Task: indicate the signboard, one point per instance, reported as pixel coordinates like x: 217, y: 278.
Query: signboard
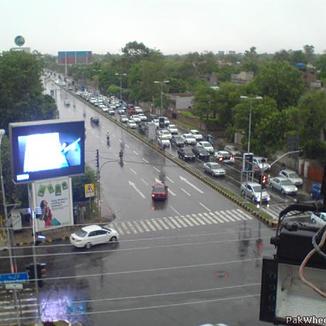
x: 14, y: 286
x: 19, y: 40
x: 247, y: 164
x: 74, y: 57
x: 13, y: 277
x: 53, y: 198
x: 89, y: 190
x: 46, y: 149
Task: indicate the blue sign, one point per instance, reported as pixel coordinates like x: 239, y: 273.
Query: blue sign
x: 13, y: 277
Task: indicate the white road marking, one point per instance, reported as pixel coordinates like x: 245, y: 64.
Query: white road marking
x: 192, y: 219
x: 227, y: 216
x: 135, y: 152
x: 211, y: 218
x: 133, y: 171
x: 202, y: 205
x: 234, y: 215
x: 127, y: 145
x: 133, y: 229
x: 185, y: 191
x: 144, y: 226
x: 241, y: 216
x: 144, y: 181
x: 171, y: 192
x: 125, y: 227
x: 186, y: 220
x: 158, y: 226
x: 216, y: 218
x: 204, y: 218
x: 180, y: 221
x: 166, y: 220
x: 137, y: 226
x: 198, y: 219
x: 245, y: 214
x: 170, y: 179
x: 221, y: 216
x: 145, y: 161
x: 190, y: 184
x: 150, y: 225
x: 174, y: 222
x: 175, y: 210
x: 132, y: 184
x: 155, y: 168
x: 163, y: 224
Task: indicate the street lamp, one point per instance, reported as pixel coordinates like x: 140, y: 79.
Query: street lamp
x: 250, y: 99
x: 161, y: 85
x: 120, y: 77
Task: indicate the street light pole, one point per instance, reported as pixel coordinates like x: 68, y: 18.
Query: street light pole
x: 161, y: 88
x: 250, y: 99
x: 120, y: 78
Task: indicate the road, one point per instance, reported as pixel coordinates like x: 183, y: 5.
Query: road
x: 189, y: 261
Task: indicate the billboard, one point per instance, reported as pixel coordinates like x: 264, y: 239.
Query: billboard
x: 46, y: 149
x: 74, y: 57
x: 53, y: 198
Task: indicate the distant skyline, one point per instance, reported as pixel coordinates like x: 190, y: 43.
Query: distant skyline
x: 171, y: 26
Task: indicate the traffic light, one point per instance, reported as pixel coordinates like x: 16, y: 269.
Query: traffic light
x: 40, y: 270
x: 263, y: 180
x: 97, y: 159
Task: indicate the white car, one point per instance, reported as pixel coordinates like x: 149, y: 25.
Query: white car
x: 214, y: 169
x: 189, y: 139
x: 207, y: 145
x: 197, y: 134
x: 142, y: 117
x: 123, y: 118
x: 254, y: 192
x: 164, y: 134
x: 136, y: 118
x: 163, y: 142
x: 260, y: 164
x: 224, y: 156
x: 292, y: 176
x: 92, y: 235
x: 173, y: 129
x: 318, y: 218
x: 284, y: 185
x: 233, y: 150
x: 131, y: 124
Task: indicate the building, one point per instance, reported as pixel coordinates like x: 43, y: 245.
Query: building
x: 244, y: 77
x: 181, y: 101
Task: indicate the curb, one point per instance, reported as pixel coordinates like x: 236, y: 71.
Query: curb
x: 225, y: 192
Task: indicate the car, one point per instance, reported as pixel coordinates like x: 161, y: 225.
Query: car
x: 318, y: 218
x: 159, y: 191
x: 201, y: 153
x: 121, y: 111
x: 224, y: 156
x: 163, y: 142
x: 95, y: 121
x: 173, y: 129
x: 177, y: 141
x: 138, y: 109
x: 136, y: 118
x: 284, y: 185
x: 198, y: 136
x: 111, y: 112
x: 254, y: 192
x: 92, y: 235
x: 292, y: 176
x: 233, y: 150
x: 260, y: 164
x: 142, y: 117
x: 214, y: 169
x: 123, y: 118
x: 207, y: 145
x: 189, y: 139
x: 166, y: 121
x: 186, y: 154
x: 164, y: 133
x: 131, y: 124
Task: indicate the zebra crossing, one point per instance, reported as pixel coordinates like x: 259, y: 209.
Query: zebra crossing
x: 27, y: 306
x: 181, y: 221
x: 275, y: 209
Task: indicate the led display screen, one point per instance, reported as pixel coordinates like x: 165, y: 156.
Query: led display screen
x: 47, y: 149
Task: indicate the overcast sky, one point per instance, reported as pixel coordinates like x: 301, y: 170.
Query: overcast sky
x: 171, y: 26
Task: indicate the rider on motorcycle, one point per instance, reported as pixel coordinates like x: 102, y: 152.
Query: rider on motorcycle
x: 107, y: 137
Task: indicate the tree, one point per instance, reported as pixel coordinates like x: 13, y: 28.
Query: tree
x: 280, y: 81
x: 321, y: 65
x: 250, y: 60
x: 309, y: 51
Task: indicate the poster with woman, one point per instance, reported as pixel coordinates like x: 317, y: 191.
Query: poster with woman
x: 53, y: 201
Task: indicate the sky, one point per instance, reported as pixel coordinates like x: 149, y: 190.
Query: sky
x: 171, y: 26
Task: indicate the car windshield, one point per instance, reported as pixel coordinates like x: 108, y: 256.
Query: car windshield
x: 214, y: 165
x: 286, y: 183
x: 158, y: 188
x: 293, y: 175
x: 206, y: 144
x: 81, y: 233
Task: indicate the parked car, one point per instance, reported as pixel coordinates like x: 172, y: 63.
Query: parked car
x: 254, y: 192
x: 198, y: 136
x: 92, y: 235
x: 292, y: 176
x: 159, y: 191
x: 318, y: 218
x: 201, y: 153
x: 224, y: 156
x: 284, y: 185
x: 214, y: 169
x: 189, y: 139
x: 186, y: 154
x: 207, y: 145
x: 177, y: 141
x: 173, y: 129
x: 163, y: 142
x: 233, y: 150
x: 260, y: 164
x: 131, y: 124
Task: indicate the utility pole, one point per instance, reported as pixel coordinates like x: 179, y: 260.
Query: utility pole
x: 120, y: 78
x: 98, y: 181
x: 162, y: 82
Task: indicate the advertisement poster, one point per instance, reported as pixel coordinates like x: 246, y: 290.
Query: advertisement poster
x: 53, y: 198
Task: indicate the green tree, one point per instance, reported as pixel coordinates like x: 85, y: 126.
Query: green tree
x: 280, y: 81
